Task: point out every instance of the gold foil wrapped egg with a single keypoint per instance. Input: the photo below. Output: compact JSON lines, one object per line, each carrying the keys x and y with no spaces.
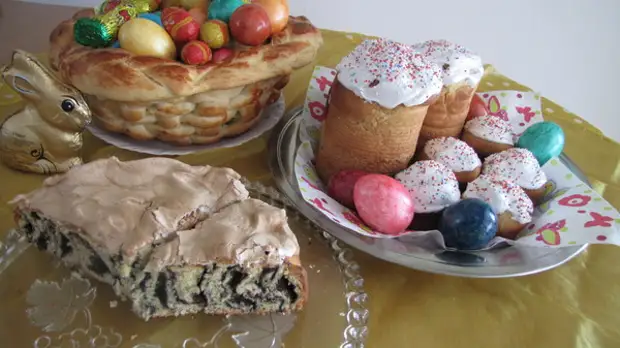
{"x":145,"y":38}
{"x":215,"y":33}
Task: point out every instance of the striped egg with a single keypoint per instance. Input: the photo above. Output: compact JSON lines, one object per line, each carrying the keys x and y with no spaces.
{"x":180,"y":24}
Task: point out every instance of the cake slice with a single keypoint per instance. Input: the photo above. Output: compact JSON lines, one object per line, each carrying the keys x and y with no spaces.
{"x":173,"y":238}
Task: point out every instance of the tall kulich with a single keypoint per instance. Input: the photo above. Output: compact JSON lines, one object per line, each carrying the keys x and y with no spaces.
{"x":377,"y":106}
{"x":462,"y":71}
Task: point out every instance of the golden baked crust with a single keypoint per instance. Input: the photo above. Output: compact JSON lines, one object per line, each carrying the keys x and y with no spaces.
{"x":446,"y":116}
{"x":358,"y":135}
{"x":116,"y":74}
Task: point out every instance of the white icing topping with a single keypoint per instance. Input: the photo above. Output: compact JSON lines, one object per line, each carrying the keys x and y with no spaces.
{"x":432,"y":185}
{"x":389,"y":74}
{"x":458,"y":63}
{"x":452,"y":152}
{"x":491,"y":128}
{"x":502,"y":196}
{"x":518,"y":165}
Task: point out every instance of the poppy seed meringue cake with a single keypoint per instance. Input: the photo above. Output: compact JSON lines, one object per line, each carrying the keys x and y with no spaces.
{"x":171,"y":238}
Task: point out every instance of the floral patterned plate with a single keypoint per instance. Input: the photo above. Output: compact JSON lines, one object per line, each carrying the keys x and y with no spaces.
{"x":499,"y":262}
{"x":43,"y":305}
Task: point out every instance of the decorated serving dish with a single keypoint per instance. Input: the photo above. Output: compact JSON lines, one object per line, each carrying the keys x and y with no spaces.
{"x":45,"y":305}
{"x":164,"y":72}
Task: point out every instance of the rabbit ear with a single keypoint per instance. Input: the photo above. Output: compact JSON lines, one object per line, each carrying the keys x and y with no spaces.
{"x":25,"y":74}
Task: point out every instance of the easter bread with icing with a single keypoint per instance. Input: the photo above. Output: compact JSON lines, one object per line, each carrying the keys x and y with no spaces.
{"x":513,"y":207}
{"x":520,"y":166}
{"x":153,"y":98}
{"x":376,"y":108}
{"x":462,"y":71}
{"x":170,"y":238}
{"x":488,"y":135}
{"x":455,"y":154}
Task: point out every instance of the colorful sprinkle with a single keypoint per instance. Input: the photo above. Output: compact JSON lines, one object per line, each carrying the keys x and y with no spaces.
{"x":458,"y":63}
{"x":452,"y":152}
{"x":502,"y":196}
{"x":390,"y":74}
{"x":432,"y":185}
{"x":491,"y":128}
{"x":518,"y":165}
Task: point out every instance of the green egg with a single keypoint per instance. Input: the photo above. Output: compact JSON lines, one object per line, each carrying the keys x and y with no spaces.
{"x":223,"y":9}
{"x":544,"y":139}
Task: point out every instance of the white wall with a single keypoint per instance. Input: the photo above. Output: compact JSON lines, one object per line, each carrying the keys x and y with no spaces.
{"x":567,"y":49}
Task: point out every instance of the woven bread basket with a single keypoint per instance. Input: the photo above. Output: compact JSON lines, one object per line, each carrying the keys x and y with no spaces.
{"x":151,"y":98}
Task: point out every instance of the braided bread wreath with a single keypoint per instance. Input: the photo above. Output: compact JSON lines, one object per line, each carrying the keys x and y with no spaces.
{"x":150,"y":98}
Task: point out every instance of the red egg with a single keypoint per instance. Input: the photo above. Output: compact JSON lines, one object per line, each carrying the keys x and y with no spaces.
{"x":477,"y":107}
{"x":180,"y":24}
{"x":383,"y":203}
{"x":196,"y":53}
{"x":222,"y":54}
{"x":340,"y":186}
{"x":250,"y":25}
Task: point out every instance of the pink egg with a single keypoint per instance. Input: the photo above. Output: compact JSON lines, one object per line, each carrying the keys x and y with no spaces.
{"x":340,"y":186}
{"x":383,"y":203}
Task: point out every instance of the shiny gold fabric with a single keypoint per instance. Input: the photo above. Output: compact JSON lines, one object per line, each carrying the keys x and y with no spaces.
{"x":576,"y":305}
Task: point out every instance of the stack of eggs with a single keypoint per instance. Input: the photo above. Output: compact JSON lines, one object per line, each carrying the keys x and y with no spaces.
{"x":194,"y":31}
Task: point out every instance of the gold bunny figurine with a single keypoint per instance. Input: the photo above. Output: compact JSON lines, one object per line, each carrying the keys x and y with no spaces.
{"x":45,"y":136}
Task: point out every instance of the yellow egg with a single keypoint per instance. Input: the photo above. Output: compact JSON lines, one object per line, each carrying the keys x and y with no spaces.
{"x":146,"y":38}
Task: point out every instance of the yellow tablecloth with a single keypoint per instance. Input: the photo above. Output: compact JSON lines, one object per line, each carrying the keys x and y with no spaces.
{"x":576,"y":305}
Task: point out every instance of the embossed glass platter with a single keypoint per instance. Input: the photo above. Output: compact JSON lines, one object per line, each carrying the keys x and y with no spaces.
{"x":44,"y":305}
{"x":494,"y":263}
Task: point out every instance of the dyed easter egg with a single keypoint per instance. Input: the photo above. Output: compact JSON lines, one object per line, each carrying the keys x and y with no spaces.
{"x":340,"y":186}
{"x":278,"y":12}
{"x":196,"y":53}
{"x":145,"y":38}
{"x":250,"y":25}
{"x":477,"y":107}
{"x":180,"y":24}
{"x":116,"y":44}
{"x":469,"y":224}
{"x":544,"y":139}
{"x":154,"y":17}
{"x":223,"y":9}
{"x":222,"y":55}
{"x":215,"y":33}
{"x":383,"y":203}
{"x":198,"y":14}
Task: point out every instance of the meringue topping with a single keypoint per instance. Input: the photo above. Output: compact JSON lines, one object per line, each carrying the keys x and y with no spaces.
{"x":125,"y":207}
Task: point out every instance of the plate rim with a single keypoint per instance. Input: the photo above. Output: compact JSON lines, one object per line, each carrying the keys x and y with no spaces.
{"x":354,"y":295}
{"x":288,"y":130}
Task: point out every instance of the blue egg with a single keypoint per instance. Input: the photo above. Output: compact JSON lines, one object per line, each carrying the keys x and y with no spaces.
{"x":116,"y":44}
{"x":544,"y":139}
{"x":153,"y":17}
{"x":468,"y":225}
{"x":223,"y":9}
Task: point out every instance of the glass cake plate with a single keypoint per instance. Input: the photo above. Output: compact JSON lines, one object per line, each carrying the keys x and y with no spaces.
{"x":43,"y":305}
{"x":494,"y":263}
